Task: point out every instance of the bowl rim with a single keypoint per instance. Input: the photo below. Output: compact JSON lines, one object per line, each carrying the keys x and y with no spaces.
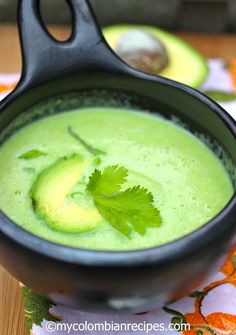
{"x":157,"y":255}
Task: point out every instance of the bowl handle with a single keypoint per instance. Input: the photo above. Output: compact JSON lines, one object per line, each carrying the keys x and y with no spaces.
{"x":45,"y":58}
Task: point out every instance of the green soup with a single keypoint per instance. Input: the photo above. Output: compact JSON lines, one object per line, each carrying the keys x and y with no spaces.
{"x":188,"y":182}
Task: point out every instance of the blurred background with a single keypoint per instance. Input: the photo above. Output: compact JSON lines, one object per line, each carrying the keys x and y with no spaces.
{"x":207,"y":25}
{"x":183,"y":15}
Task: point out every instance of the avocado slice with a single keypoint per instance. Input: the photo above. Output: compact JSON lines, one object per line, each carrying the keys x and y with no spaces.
{"x":49,"y":197}
{"x":185,"y":65}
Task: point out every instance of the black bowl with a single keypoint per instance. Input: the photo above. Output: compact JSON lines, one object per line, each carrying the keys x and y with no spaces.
{"x":133,"y":281}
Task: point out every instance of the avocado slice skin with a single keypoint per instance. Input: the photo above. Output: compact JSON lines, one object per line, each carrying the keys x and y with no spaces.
{"x":50,"y":190}
{"x":186,"y":65}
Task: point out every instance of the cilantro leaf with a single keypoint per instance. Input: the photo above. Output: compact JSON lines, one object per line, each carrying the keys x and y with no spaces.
{"x":32,"y":154}
{"x":128,"y":210}
{"x":87,"y":146}
{"x":109,"y":181}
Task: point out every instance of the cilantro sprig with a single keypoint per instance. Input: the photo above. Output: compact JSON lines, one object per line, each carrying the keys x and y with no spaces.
{"x":94,"y":151}
{"x":126,"y":210}
{"x":32,"y":154}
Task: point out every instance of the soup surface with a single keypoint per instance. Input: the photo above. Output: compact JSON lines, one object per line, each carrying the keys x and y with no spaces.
{"x":45,"y":169}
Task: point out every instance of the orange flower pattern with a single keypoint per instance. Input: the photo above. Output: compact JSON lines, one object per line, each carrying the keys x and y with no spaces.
{"x":216,"y":323}
{"x":231,"y":67}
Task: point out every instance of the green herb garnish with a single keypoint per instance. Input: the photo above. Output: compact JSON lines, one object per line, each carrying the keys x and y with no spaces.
{"x":32,"y":154}
{"x":128,"y":210}
{"x":87,"y":146}
{"x":97,"y":161}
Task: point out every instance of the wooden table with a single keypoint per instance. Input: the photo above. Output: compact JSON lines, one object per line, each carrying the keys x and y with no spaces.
{"x":211,"y":46}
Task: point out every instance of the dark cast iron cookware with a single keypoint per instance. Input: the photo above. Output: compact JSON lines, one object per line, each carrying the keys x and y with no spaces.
{"x":132,"y":281}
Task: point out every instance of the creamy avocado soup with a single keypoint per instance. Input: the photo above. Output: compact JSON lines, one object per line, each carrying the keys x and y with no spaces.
{"x":111,"y":179}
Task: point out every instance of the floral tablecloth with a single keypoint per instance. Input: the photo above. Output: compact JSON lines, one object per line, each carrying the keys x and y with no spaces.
{"x":210,"y":310}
